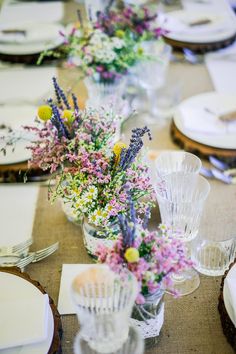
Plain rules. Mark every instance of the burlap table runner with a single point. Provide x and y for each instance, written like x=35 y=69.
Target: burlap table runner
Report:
x=192 y=323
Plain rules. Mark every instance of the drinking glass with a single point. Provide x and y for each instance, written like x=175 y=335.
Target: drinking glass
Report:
x=177 y=161
x=104 y=302
x=181 y=199
x=214 y=249
x=152 y=72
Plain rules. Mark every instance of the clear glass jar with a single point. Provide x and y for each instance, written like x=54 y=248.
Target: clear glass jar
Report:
x=149 y=318
x=94 y=235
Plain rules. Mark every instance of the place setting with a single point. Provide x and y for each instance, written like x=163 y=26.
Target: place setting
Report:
x=201 y=29
x=21 y=39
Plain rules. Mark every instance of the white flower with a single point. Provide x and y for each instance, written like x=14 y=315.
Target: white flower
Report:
x=118 y=43
x=88 y=59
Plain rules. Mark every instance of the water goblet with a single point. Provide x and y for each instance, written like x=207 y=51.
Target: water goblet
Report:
x=152 y=72
x=181 y=198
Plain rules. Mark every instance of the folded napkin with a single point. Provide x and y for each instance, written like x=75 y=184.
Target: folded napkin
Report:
x=222 y=67
x=27 y=34
x=17 y=209
x=28 y=85
x=201 y=121
x=28 y=13
x=23 y=321
x=230 y=284
x=183 y=22
x=69 y=272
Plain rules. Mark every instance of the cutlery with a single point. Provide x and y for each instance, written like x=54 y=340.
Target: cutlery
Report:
x=14 y=259
x=19 y=248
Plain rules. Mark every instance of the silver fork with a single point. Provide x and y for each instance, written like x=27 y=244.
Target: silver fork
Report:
x=15 y=249
x=33 y=257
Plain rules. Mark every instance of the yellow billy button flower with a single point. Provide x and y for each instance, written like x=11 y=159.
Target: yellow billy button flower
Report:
x=68 y=115
x=140 y=50
x=120 y=34
x=45 y=112
x=117 y=148
x=132 y=255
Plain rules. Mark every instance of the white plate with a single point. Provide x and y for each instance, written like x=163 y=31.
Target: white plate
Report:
x=226 y=296
x=39 y=37
x=16 y=117
x=214 y=101
x=221 y=27
x=17 y=286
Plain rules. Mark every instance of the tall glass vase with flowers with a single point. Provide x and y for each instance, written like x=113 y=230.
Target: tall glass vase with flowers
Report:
x=63 y=131
x=98 y=185
x=153 y=257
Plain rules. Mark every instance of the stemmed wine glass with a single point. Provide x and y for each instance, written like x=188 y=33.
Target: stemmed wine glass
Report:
x=152 y=72
x=181 y=195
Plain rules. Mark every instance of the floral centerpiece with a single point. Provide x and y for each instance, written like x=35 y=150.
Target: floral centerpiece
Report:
x=63 y=129
x=98 y=184
x=105 y=58
x=153 y=257
x=137 y=20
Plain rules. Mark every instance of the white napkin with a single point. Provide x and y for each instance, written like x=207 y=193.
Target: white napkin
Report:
x=30 y=85
x=17 y=209
x=31 y=34
x=230 y=283
x=198 y=120
x=23 y=321
x=33 y=12
x=69 y=272
x=222 y=69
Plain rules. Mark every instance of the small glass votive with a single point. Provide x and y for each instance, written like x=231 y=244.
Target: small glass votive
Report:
x=213 y=257
x=104 y=302
x=215 y=245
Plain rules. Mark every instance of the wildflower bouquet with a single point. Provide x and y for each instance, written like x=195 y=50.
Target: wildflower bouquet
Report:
x=64 y=130
x=99 y=182
x=101 y=56
x=139 y=21
x=152 y=256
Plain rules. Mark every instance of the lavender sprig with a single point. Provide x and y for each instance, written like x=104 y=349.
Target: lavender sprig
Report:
x=61 y=97
x=127 y=225
x=128 y=156
x=57 y=121
x=75 y=102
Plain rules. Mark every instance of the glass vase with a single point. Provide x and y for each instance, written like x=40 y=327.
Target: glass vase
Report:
x=95 y=235
x=69 y=212
x=106 y=95
x=149 y=318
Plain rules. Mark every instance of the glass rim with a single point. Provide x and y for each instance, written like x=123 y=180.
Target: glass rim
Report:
x=179 y=153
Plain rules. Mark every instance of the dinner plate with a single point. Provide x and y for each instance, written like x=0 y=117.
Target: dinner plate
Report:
x=12 y=286
x=38 y=38
x=226 y=296
x=214 y=102
x=221 y=26
x=15 y=117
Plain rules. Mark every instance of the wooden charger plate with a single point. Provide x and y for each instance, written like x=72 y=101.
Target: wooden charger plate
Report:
x=200 y=47
x=56 y=341
x=196 y=148
x=228 y=327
